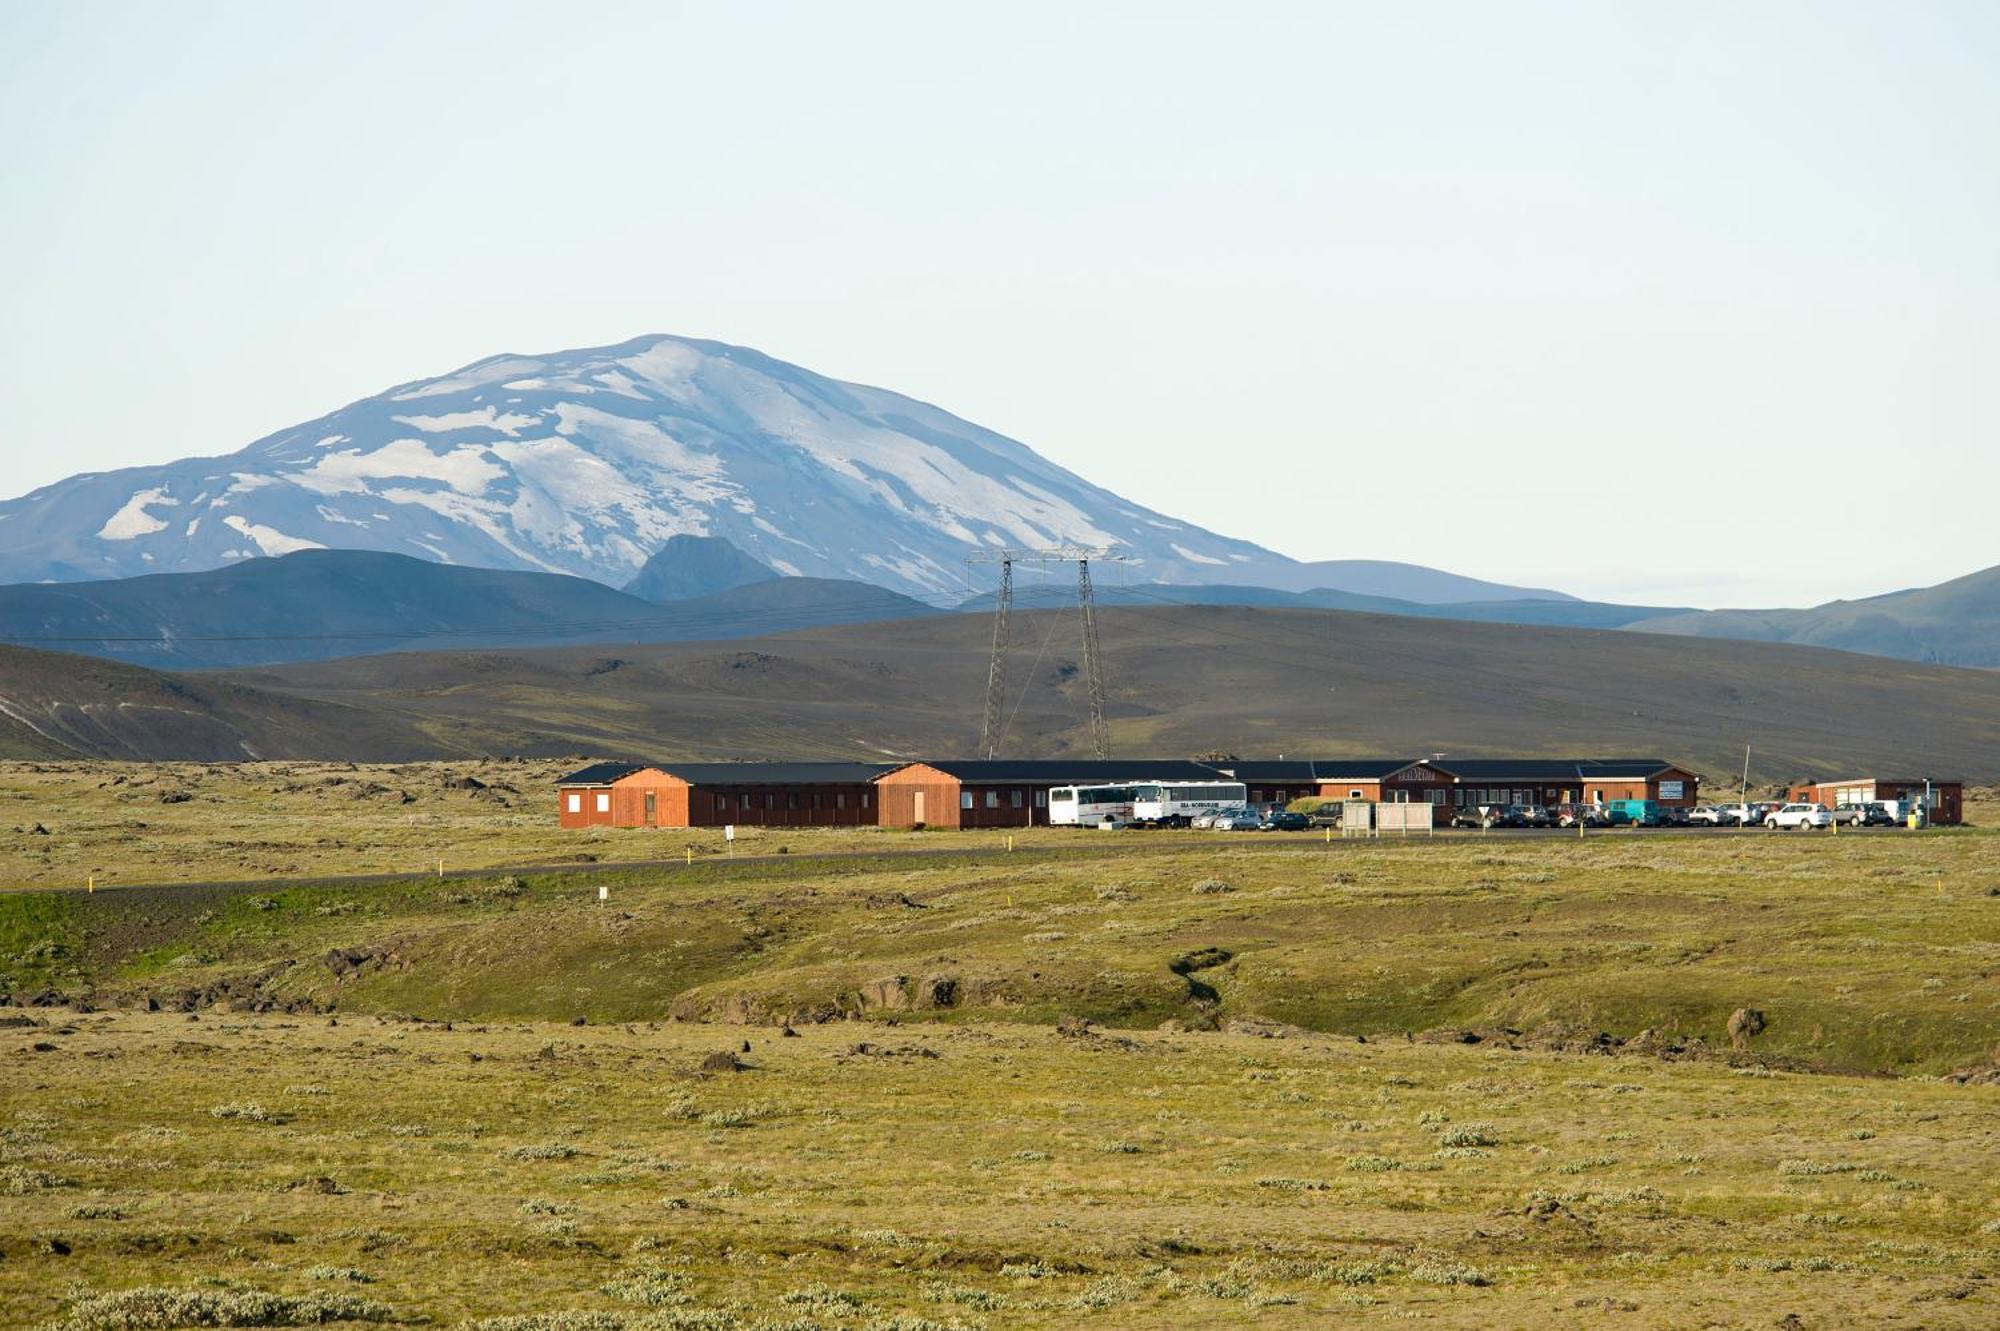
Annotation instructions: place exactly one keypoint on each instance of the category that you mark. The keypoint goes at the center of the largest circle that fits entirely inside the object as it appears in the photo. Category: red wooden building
(1548, 781)
(714, 794)
(1373, 779)
(1946, 806)
(1005, 792)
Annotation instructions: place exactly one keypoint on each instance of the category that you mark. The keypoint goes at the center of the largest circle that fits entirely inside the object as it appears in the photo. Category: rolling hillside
(1953, 623)
(316, 604)
(1251, 680)
(56, 705)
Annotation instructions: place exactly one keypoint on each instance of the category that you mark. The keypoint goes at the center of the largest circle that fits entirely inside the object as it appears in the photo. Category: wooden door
(917, 807)
(652, 808)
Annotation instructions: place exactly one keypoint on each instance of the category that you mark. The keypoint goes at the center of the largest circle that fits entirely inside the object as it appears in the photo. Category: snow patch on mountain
(467, 469)
(132, 521)
(269, 540)
(493, 418)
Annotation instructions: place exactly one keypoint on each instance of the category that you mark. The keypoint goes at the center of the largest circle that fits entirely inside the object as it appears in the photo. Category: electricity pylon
(996, 668)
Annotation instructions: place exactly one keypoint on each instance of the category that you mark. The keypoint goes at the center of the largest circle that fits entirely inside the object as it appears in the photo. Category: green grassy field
(1482, 1082)
(999, 1176)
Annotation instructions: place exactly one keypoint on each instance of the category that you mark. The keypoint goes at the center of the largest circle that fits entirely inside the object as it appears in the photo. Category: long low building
(719, 794)
(950, 792)
(1550, 781)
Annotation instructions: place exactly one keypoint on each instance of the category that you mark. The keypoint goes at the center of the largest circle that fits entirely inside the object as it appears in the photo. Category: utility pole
(994, 721)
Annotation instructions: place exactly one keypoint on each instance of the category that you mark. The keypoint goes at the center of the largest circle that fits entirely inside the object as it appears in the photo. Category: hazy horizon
(1689, 306)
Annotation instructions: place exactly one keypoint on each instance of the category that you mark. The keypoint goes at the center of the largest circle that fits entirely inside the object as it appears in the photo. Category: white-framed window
(992, 799)
(575, 802)
(1041, 799)
(1014, 798)
(1355, 793)
(604, 801)
(965, 799)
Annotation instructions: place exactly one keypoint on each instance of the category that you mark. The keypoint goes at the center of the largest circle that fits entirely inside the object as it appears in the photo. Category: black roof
(1315, 769)
(776, 774)
(1551, 769)
(601, 774)
(736, 774)
(1068, 771)
(1267, 769)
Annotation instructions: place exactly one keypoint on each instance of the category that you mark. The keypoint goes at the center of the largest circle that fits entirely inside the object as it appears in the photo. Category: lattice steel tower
(995, 721)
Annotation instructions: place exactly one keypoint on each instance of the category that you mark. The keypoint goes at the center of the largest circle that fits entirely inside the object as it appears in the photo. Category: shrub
(1470, 1134)
(1449, 1273)
(1373, 1164)
(16, 1181)
(552, 1151)
(139, 1309)
(1812, 1168)
(248, 1110)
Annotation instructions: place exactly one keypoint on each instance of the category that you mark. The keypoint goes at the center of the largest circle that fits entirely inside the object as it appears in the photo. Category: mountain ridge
(1956, 622)
(585, 461)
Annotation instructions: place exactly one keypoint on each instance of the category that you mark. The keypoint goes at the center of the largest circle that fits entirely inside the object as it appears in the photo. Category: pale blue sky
(1671, 302)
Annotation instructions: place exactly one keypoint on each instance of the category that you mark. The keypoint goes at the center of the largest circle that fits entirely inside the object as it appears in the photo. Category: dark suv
(1284, 820)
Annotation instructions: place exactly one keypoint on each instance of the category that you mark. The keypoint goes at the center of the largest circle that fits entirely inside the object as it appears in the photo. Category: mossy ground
(513, 1163)
(1000, 1176)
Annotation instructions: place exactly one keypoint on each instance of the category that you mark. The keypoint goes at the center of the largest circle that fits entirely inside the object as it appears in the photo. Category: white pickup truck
(1809, 816)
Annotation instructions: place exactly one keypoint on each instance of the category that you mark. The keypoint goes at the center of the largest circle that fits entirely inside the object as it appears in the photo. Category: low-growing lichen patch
(1293, 1182)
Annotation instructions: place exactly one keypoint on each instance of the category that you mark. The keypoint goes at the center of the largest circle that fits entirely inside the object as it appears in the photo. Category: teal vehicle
(1636, 813)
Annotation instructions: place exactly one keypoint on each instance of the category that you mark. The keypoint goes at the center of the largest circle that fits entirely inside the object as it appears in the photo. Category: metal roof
(1066, 771)
(1315, 769)
(1340, 769)
(776, 774)
(736, 774)
(601, 774)
(1552, 769)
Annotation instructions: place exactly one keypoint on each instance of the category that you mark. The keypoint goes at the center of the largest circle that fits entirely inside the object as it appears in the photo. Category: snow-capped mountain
(586, 462)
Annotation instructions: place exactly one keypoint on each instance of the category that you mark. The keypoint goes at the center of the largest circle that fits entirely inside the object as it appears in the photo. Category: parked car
(1672, 815)
(1716, 815)
(1812, 817)
(1633, 813)
(1203, 820)
(1878, 815)
(1589, 815)
(1242, 820)
(1530, 815)
(1326, 815)
(1475, 815)
(1284, 820)
(1849, 815)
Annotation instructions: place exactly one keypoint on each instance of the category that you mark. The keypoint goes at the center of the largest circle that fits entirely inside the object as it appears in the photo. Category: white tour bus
(1172, 805)
(1089, 806)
